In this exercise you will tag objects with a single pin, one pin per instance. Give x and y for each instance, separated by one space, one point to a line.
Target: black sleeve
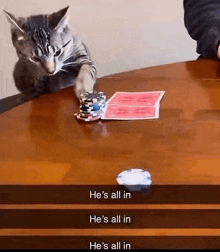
202 20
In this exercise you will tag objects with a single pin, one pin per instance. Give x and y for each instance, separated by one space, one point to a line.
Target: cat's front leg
85 80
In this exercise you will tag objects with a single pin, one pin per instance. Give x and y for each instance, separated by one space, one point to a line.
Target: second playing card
115 112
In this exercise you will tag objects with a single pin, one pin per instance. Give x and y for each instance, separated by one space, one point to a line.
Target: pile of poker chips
91 106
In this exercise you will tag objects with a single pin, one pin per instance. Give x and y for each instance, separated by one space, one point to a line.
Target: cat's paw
81 88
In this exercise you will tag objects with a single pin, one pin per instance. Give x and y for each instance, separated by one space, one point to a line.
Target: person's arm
202 20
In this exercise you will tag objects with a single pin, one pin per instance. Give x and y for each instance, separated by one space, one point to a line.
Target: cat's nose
49 67
50 72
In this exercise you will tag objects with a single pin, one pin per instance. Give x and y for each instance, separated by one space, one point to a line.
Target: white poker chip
134 179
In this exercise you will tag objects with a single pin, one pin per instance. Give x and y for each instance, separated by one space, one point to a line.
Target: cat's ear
13 21
59 19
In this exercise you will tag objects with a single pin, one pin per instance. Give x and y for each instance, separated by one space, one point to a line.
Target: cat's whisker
70 63
64 70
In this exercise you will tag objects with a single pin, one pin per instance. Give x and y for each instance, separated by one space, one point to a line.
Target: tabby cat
51 56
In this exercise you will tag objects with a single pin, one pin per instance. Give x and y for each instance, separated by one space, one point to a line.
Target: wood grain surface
42 143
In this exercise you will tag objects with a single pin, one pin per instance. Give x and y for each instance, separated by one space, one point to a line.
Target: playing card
136 98
121 112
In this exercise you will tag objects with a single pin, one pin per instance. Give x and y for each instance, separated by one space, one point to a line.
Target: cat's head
44 40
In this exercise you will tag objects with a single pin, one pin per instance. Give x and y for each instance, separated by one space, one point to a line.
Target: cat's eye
57 53
67 43
35 59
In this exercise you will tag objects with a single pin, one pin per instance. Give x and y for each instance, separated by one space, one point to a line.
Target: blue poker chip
91 104
134 179
94 107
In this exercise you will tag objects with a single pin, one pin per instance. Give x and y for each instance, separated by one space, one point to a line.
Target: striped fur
51 56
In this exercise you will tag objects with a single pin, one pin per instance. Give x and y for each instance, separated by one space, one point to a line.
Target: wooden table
42 143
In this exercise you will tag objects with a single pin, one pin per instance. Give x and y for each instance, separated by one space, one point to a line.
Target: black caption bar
109 242
108 194
123 218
